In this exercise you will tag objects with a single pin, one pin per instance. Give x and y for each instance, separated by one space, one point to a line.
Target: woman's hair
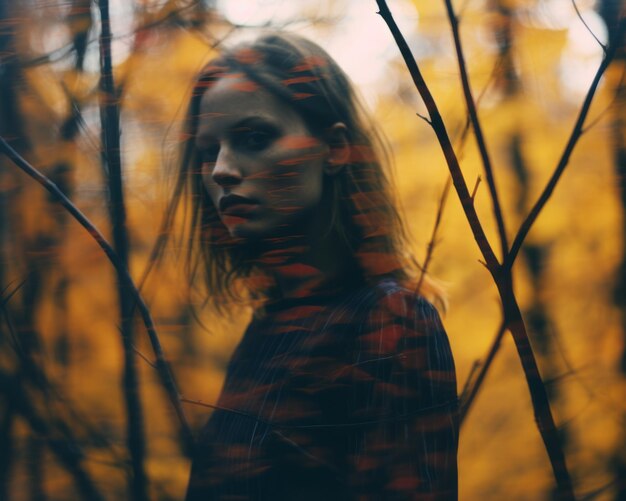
364 217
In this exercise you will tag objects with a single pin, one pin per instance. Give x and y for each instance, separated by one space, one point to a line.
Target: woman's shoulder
401 348
390 300
393 317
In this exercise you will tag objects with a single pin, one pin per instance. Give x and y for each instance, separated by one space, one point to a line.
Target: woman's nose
225 173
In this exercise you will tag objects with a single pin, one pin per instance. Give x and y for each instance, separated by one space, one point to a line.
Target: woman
343 386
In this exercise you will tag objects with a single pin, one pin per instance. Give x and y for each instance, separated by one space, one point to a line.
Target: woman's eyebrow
246 122
210 126
207 134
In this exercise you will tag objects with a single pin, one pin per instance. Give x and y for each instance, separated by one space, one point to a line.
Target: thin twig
582 20
60 53
161 363
144 357
7 297
476 185
502 277
478 132
224 409
467 122
112 163
443 137
471 376
600 116
67 451
471 390
425 118
35 374
433 237
567 152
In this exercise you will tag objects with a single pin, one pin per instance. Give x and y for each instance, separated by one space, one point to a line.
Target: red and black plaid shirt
335 399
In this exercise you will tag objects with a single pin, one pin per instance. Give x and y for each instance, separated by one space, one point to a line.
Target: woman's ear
338 148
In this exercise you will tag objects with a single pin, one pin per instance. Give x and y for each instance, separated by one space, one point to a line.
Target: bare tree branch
433 238
161 363
471 390
582 20
501 274
567 152
444 140
112 163
65 450
478 132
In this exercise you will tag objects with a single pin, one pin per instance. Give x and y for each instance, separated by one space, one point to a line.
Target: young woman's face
261 165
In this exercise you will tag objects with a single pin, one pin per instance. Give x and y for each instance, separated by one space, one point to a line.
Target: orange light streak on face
302 159
298 142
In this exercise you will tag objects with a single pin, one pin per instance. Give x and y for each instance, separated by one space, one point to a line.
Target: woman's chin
256 231
248 230
240 232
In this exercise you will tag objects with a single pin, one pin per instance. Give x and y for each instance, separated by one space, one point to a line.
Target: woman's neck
310 258
301 267
314 262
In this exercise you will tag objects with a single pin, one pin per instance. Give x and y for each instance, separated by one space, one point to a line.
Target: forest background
64 367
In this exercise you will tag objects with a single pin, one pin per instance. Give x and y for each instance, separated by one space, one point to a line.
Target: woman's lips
238 213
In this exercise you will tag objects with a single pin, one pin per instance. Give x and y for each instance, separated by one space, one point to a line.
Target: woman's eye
254 140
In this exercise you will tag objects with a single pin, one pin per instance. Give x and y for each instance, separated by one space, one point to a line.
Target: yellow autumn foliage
501 455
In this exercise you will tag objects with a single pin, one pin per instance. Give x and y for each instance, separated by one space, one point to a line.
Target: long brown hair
364 215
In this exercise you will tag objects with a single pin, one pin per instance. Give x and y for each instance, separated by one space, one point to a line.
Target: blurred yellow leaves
501 456
157 77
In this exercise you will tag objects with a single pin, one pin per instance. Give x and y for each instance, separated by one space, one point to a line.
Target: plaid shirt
335 399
